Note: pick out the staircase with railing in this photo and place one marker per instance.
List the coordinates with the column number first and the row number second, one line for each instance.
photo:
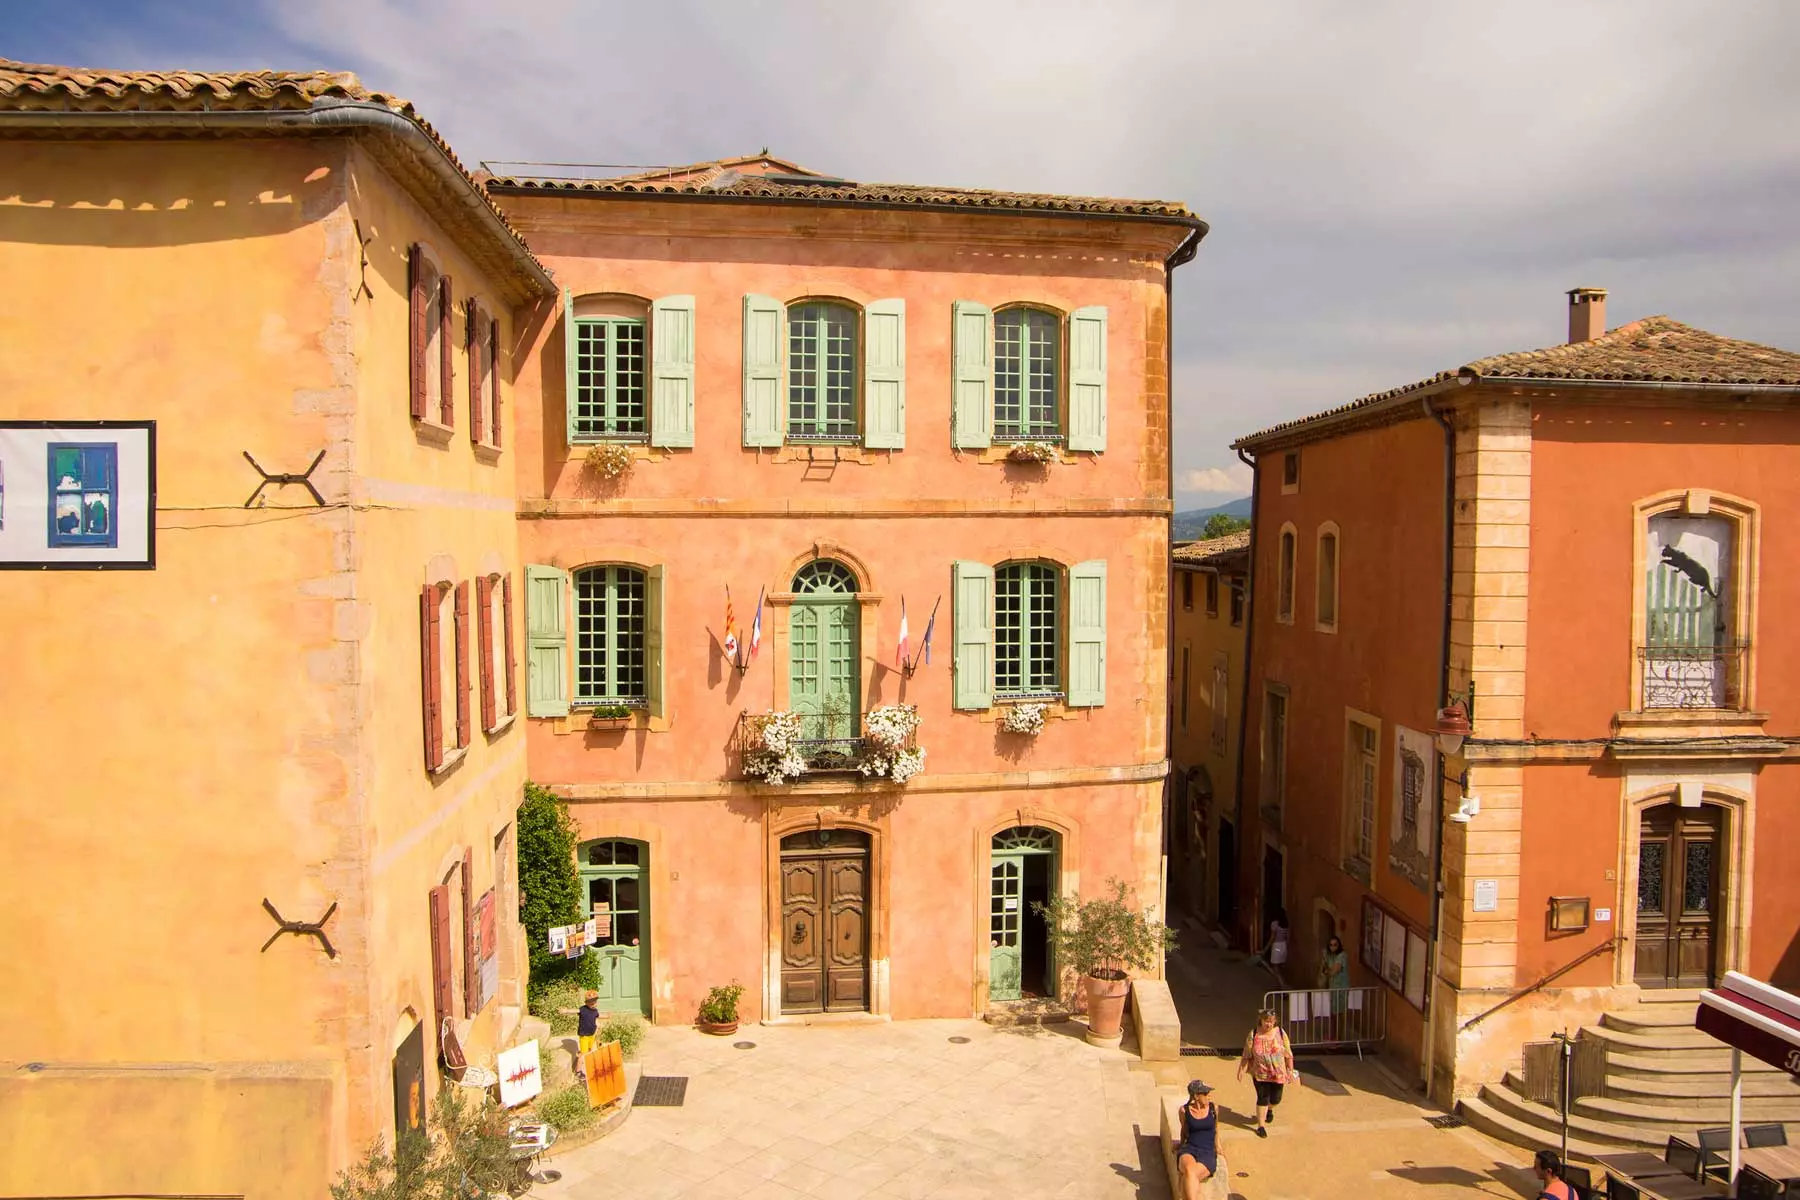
column 1639, row 1076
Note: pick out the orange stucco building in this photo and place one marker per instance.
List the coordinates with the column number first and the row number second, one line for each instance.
column 843, row 403
column 1581, row 547
column 292, row 705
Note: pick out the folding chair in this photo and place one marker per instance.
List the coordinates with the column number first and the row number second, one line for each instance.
column 1757, row 1137
column 1684, row 1157
column 1715, row 1152
column 1580, row 1181
column 1752, row 1184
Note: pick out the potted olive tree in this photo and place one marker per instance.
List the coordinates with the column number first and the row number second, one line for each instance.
column 1100, row 938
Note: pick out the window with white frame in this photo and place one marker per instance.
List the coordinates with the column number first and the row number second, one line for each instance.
column 430, row 320
column 493, row 621
column 444, row 626
column 1327, row 599
column 1027, row 366
column 1691, row 656
column 481, row 343
column 1026, row 629
column 610, row 660
column 1284, row 580
column 1361, row 750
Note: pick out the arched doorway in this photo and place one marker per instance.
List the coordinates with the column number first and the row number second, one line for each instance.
column 825, row 921
column 615, row 886
column 1680, row 892
column 1022, row 874
column 823, row 629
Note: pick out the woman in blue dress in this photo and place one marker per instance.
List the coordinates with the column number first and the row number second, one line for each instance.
column 1197, row 1155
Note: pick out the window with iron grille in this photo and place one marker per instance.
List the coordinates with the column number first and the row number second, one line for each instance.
column 1025, row 629
column 1412, row 795
column 1027, row 357
column 822, row 372
column 609, row 635
column 609, row 379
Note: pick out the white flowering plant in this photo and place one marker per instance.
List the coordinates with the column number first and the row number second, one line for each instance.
column 773, row 751
column 888, row 749
column 1032, row 452
column 1026, row 719
column 609, row 460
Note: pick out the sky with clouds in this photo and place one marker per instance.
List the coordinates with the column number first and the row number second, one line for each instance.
column 1394, row 187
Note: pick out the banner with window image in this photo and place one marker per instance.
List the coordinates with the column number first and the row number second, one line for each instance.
column 77, row 495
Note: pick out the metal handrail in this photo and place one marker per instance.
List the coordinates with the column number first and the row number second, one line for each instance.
column 1608, row 944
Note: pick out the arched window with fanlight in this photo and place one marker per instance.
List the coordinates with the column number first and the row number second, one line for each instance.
column 823, row 629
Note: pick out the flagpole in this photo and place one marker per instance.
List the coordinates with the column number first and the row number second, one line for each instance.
column 913, row 663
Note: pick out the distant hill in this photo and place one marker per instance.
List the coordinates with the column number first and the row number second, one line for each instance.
column 1189, row 524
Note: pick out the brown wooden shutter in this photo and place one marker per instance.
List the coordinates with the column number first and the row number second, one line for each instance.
column 484, row 625
column 462, row 663
column 417, row 333
column 472, row 339
column 443, row 1000
column 494, row 381
column 430, row 685
column 471, row 971
column 446, row 353
column 506, row 614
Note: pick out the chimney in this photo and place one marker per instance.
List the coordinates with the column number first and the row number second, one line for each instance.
column 1587, row 314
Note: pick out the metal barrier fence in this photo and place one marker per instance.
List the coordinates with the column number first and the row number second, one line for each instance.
column 1317, row 1018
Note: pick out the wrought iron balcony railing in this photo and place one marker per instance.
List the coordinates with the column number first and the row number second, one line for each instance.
column 1693, row 676
column 831, row 754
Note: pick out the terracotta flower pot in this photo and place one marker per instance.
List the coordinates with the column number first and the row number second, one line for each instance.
column 718, row 1028
column 1106, row 1003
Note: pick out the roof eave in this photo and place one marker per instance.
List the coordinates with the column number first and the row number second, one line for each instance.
column 1383, row 411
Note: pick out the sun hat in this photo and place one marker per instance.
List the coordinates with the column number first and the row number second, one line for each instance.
column 1198, row 1088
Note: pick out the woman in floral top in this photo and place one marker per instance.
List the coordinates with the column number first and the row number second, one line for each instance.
column 1270, row 1059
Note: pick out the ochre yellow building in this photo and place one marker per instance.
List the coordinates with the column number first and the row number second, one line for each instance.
column 259, row 266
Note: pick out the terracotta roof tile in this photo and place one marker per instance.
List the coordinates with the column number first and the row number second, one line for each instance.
column 748, row 178
column 36, row 87
column 1653, row 350
column 1213, row 551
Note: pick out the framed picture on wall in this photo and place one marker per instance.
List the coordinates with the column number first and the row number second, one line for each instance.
column 1414, row 992
column 1371, row 936
column 1393, row 953
column 78, row 495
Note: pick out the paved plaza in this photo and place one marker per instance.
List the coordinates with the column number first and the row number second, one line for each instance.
column 907, row 1109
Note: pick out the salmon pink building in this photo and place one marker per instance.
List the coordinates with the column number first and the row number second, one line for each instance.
column 845, row 510
column 1582, row 551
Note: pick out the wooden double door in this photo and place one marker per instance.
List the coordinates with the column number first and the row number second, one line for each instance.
column 1680, row 889
column 825, row 921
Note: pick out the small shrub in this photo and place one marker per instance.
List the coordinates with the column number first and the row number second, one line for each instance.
column 720, row 1005
column 567, row 1109
column 609, row 460
column 625, row 1029
column 610, row 712
column 549, row 1001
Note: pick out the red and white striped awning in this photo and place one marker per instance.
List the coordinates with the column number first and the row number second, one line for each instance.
column 1762, row 1021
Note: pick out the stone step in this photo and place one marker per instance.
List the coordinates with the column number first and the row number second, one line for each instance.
column 1035, row 1011
column 1669, row 996
column 1686, row 1089
column 1507, row 1128
column 1657, row 1066
column 1672, row 1042
column 1693, row 1113
column 1652, row 1019
column 1546, row 1119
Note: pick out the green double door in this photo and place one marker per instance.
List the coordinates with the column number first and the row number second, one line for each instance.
column 822, row 667
column 615, row 883
column 1021, row 871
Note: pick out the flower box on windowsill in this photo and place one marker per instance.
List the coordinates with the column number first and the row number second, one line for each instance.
column 612, row 716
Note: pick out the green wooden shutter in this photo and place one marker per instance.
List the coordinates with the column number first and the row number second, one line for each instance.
column 1087, row 633
column 972, row 406
column 569, row 361
column 1087, row 379
column 972, row 589
column 884, row 375
column 546, row 642
column 762, row 371
column 672, row 371
column 653, row 642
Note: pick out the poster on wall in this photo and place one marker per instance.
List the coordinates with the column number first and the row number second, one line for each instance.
column 78, row 495
column 409, row 1083
column 1415, row 971
column 1393, row 953
column 521, row 1077
column 487, row 950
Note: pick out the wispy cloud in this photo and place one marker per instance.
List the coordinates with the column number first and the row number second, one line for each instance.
column 1228, row 482
column 1394, row 188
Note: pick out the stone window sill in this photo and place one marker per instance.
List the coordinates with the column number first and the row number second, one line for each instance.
column 640, row 451
column 433, row 433
column 829, row 452
column 1688, row 722
column 640, row 721
column 502, row 725
column 451, row 758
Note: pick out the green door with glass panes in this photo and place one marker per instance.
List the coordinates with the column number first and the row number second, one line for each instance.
column 822, row 652
column 1021, row 875
column 615, row 885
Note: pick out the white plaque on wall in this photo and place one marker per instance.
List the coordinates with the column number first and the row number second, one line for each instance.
column 1602, row 914
column 1487, row 895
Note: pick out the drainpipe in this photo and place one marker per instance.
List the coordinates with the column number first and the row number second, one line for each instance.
column 1237, row 787
column 1437, row 841
column 1190, row 246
